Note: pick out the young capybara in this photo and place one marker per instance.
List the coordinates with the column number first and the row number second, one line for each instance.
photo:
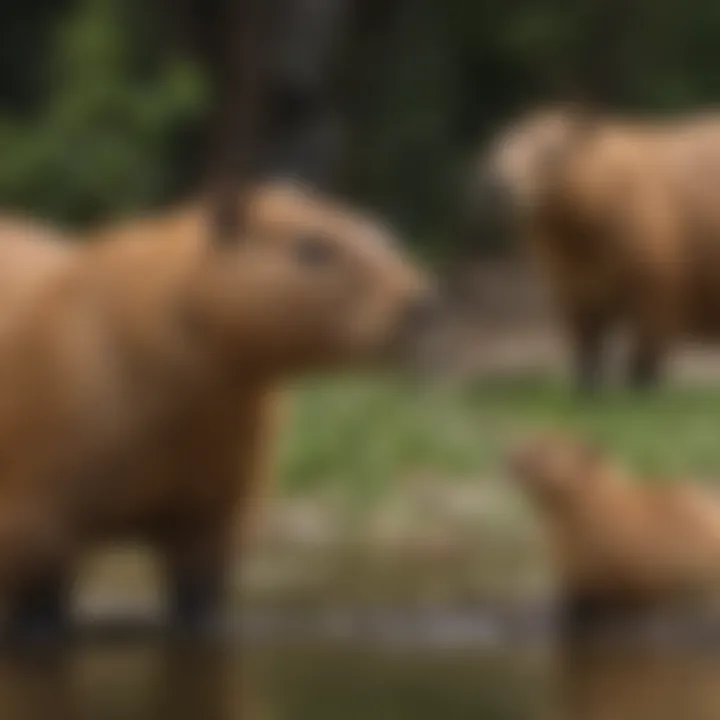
column 619, row 545
column 623, row 217
column 138, row 384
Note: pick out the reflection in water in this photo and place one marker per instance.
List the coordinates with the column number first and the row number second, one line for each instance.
column 640, row 684
column 141, row 681
column 151, row 681
column 33, row 686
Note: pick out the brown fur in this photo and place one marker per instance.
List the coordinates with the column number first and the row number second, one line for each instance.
column 29, row 253
column 629, row 681
column 624, row 219
column 137, row 387
column 615, row 539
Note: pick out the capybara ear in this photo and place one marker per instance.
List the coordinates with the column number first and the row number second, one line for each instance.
column 516, row 454
column 580, row 120
column 522, row 453
column 591, row 453
column 584, row 118
column 226, row 218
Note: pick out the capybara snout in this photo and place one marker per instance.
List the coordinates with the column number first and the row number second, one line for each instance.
column 549, row 465
column 492, row 211
column 359, row 294
column 420, row 313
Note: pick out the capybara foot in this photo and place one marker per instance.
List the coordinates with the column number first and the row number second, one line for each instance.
column 195, row 608
column 581, row 614
column 587, row 386
column 589, row 358
column 589, row 370
column 590, row 615
column 644, row 372
column 38, row 615
column 643, row 381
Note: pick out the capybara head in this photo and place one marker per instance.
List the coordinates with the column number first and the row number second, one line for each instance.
column 311, row 283
column 521, row 156
column 551, row 466
column 510, row 176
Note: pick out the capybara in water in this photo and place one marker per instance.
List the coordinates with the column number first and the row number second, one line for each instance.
column 624, row 219
column 619, row 544
column 138, row 383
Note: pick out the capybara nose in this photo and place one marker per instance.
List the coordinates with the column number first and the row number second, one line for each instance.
column 515, row 458
column 421, row 313
column 484, row 225
column 518, row 456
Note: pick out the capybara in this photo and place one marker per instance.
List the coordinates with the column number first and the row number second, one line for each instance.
column 138, row 383
column 619, row 544
column 623, row 216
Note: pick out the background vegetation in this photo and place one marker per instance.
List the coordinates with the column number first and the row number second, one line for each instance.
column 97, row 118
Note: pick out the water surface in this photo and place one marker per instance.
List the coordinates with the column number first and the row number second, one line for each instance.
column 144, row 680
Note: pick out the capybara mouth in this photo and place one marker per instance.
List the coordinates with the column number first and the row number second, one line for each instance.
column 418, row 347
column 524, row 459
column 518, row 461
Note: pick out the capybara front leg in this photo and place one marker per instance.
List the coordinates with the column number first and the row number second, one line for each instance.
column 36, row 572
column 39, row 611
column 197, row 575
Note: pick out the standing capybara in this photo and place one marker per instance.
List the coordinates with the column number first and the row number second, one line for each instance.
column 618, row 545
column 137, row 384
column 624, row 219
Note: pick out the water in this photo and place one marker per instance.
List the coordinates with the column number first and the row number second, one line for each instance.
column 144, row 680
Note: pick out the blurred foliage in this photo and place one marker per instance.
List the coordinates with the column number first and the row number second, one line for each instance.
column 103, row 137
column 97, row 118
column 461, row 68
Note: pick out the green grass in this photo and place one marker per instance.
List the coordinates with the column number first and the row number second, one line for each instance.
column 360, row 434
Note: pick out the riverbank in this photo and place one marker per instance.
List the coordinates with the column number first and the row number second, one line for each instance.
column 392, row 493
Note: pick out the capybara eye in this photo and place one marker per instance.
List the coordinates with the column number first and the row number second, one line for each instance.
column 314, row 251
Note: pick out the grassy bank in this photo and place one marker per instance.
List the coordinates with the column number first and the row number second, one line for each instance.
column 362, row 435
column 394, row 493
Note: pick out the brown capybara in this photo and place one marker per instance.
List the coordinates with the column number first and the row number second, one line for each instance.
column 618, row 544
column 624, row 220
column 138, row 383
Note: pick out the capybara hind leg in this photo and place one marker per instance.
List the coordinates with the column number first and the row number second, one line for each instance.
column 197, row 579
column 652, row 323
column 39, row 612
column 588, row 330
